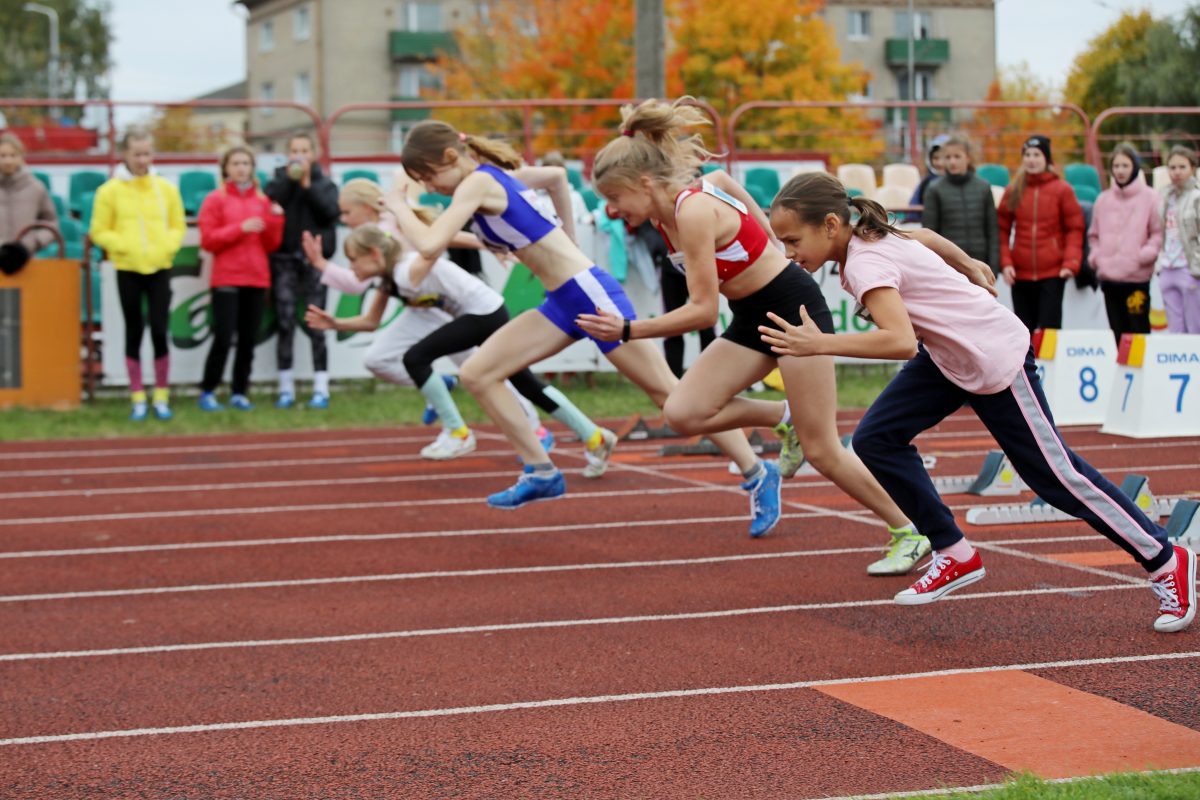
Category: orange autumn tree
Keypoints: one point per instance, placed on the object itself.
(997, 133)
(724, 52)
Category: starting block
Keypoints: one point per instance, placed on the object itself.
(637, 428)
(1135, 487)
(996, 478)
(1152, 393)
(1076, 368)
(1184, 525)
(703, 446)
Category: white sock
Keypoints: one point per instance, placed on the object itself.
(287, 382)
(1170, 566)
(961, 551)
(321, 382)
(787, 414)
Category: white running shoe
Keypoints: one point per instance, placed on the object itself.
(597, 459)
(447, 446)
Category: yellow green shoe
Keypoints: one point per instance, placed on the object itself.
(791, 457)
(906, 548)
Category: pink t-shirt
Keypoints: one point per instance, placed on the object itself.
(975, 341)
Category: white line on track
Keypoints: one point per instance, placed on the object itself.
(1054, 562)
(527, 626)
(561, 702)
(228, 447)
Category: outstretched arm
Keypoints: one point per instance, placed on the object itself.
(431, 240)
(319, 319)
(893, 337)
(974, 270)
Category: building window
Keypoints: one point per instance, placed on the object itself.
(302, 89)
(267, 92)
(302, 24)
(266, 36)
(859, 25)
(922, 86)
(422, 15)
(921, 25)
(413, 80)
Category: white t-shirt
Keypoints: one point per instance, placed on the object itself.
(976, 342)
(447, 286)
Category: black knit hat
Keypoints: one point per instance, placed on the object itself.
(1041, 143)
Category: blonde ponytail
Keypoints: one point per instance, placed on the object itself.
(654, 143)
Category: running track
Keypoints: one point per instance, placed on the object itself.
(327, 615)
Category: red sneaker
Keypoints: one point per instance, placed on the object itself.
(1176, 593)
(944, 576)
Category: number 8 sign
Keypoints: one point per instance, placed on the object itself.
(1076, 368)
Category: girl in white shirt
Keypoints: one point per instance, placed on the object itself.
(963, 347)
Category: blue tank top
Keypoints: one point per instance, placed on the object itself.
(523, 221)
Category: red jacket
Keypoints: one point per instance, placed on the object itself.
(239, 258)
(1049, 229)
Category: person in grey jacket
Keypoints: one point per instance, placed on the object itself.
(23, 201)
(960, 207)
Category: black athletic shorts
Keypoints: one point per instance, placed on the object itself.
(784, 295)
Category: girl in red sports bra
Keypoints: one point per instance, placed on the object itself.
(718, 237)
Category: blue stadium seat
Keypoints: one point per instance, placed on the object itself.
(995, 174)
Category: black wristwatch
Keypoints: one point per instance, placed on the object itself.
(626, 330)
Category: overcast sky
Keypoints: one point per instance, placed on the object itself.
(176, 49)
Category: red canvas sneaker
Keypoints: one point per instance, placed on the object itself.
(1176, 592)
(943, 576)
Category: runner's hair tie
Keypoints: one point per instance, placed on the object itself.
(627, 132)
(462, 137)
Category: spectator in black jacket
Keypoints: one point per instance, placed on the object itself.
(959, 205)
(310, 203)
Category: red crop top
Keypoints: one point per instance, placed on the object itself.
(737, 254)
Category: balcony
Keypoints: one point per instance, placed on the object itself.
(926, 52)
(408, 114)
(420, 45)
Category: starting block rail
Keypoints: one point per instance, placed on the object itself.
(703, 446)
(1135, 487)
(996, 478)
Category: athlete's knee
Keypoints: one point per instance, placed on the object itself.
(475, 375)
(683, 416)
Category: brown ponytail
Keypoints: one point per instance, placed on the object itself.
(814, 195)
(426, 145)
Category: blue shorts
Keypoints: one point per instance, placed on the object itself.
(583, 294)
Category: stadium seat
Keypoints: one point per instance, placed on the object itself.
(351, 174)
(811, 166)
(60, 206)
(72, 232)
(433, 200)
(80, 184)
(760, 195)
(575, 178)
(85, 209)
(590, 198)
(766, 179)
(194, 186)
(893, 197)
(1162, 177)
(263, 178)
(709, 166)
(1085, 193)
(995, 174)
(902, 176)
(45, 179)
(1083, 175)
(853, 192)
(858, 176)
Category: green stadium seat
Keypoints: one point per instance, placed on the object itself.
(60, 206)
(434, 200)
(1085, 194)
(45, 179)
(351, 174)
(995, 174)
(194, 186)
(708, 167)
(575, 178)
(852, 192)
(85, 209)
(263, 178)
(80, 184)
(767, 181)
(760, 195)
(1083, 175)
(591, 199)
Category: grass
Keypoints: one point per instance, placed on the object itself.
(357, 404)
(1131, 786)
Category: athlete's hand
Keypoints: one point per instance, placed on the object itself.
(602, 325)
(312, 250)
(319, 319)
(983, 276)
(792, 340)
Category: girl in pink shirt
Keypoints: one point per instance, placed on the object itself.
(962, 347)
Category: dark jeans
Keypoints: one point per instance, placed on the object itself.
(295, 281)
(1128, 307)
(235, 310)
(1039, 303)
(674, 295)
(1018, 417)
(155, 289)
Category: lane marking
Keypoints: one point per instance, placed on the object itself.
(524, 626)
(950, 708)
(233, 446)
(574, 701)
(1047, 561)
(1093, 558)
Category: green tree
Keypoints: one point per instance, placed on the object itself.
(84, 38)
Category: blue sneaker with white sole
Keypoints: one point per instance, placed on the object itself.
(208, 402)
(764, 500)
(240, 402)
(285, 400)
(528, 488)
(319, 401)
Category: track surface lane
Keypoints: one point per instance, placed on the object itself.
(744, 745)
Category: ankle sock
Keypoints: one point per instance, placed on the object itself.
(461, 432)
(544, 469)
(1170, 566)
(287, 382)
(162, 395)
(960, 551)
(321, 382)
(755, 472)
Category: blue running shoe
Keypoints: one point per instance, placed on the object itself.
(163, 411)
(208, 402)
(240, 402)
(764, 500)
(430, 414)
(319, 401)
(285, 400)
(529, 487)
(139, 412)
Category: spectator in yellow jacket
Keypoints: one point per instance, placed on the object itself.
(138, 220)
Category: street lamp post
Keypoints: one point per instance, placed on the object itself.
(52, 65)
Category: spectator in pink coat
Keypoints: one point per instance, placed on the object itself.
(1124, 239)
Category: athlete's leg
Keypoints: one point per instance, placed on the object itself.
(706, 398)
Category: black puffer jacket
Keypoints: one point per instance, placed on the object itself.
(314, 209)
(961, 208)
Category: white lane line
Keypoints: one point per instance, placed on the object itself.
(228, 447)
(1055, 562)
(560, 702)
(298, 508)
(526, 626)
(409, 576)
(372, 537)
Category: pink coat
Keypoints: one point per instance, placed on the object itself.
(1126, 233)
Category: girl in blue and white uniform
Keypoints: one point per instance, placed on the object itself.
(505, 216)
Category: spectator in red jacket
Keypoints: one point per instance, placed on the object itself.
(241, 227)
(1047, 245)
